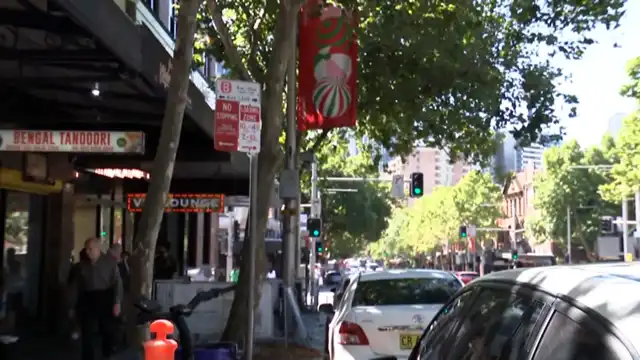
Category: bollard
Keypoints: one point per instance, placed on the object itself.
(160, 348)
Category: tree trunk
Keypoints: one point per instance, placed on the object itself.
(162, 172)
(237, 321)
(269, 160)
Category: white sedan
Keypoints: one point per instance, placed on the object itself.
(382, 314)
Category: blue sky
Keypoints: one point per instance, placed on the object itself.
(598, 77)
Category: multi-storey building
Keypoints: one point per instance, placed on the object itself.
(519, 193)
(433, 163)
(511, 157)
(529, 156)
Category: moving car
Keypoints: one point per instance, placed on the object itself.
(332, 278)
(383, 313)
(466, 276)
(583, 312)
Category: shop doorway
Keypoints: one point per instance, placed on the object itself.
(22, 255)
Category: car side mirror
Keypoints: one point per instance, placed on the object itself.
(333, 290)
(326, 308)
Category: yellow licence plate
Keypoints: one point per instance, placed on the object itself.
(408, 341)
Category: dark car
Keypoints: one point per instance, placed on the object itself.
(544, 313)
(332, 278)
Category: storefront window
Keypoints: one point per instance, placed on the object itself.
(117, 227)
(16, 234)
(105, 226)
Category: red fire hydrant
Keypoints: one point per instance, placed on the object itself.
(160, 348)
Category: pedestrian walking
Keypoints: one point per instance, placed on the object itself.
(96, 300)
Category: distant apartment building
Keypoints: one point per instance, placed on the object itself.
(512, 157)
(433, 163)
(384, 159)
(529, 156)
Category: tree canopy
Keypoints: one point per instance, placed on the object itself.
(626, 171)
(434, 219)
(564, 185)
(447, 73)
(351, 219)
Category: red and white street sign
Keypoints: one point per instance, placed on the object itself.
(237, 122)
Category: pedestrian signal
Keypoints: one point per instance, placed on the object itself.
(417, 185)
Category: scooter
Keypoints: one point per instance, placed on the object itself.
(150, 310)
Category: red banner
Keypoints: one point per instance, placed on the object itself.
(328, 58)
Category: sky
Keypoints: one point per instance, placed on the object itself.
(598, 76)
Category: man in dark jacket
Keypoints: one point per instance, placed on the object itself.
(96, 300)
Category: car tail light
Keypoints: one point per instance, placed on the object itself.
(351, 334)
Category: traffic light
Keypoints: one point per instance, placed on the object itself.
(606, 226)
(463, 232)
(236, 231)
(314, 226)
(417, 185)
(514, 255)
(319, 248)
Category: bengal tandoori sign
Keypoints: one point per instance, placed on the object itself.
(66, 141)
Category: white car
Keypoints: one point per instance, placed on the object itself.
(383, 313)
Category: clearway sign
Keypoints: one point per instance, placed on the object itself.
(237, 122)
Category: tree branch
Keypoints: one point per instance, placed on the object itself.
(254, 39)
(229, 48)
(320, 139)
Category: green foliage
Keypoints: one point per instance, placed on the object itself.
(434, 219)
(563, 186)
(449, 73)
(626, 171)
(352, 219)
(17, 228)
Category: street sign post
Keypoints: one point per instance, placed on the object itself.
(237, 127)
(397, 187)
(237, 122)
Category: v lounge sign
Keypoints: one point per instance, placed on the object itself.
(207, 203)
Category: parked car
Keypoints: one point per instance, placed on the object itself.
(585, 312)
(466, 276)
(382, 313)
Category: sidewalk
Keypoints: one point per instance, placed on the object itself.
(314, 323)
(38, 348)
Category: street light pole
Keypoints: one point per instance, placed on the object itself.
(625, 228)
(569, 234)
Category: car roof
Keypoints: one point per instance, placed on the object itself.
(403, 274)
(611, 289)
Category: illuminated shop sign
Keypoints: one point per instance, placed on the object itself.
(207, 203)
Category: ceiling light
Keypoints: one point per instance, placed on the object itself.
(96, 89)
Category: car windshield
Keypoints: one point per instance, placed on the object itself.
(406, 291)
(333, 278)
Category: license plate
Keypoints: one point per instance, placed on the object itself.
(408, 341)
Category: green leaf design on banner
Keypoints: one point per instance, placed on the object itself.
(321, 56)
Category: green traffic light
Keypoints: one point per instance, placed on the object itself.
(316, 233)
(103, 234)
(464, 235)
(417, 191)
